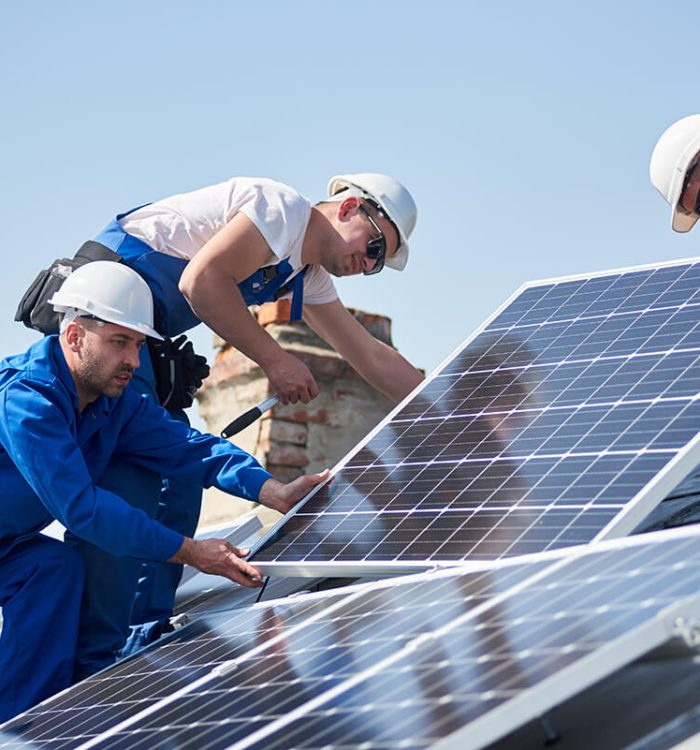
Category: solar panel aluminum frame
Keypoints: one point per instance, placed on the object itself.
(558, 688)
(366, 568)
(573, 680)
(578, 676)
(637, 509)
(551, 691)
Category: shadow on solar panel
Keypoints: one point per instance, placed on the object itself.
(564, 419)
(448, 659)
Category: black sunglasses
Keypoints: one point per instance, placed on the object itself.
(689, 174)
(376, 247)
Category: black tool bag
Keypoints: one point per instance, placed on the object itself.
(33, 309)
(179, 371)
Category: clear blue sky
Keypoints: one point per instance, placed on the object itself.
(524, 131)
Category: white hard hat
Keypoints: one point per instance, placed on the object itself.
(111, 292)
(673, 154)
(394, 200)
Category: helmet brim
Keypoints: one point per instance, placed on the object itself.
(681, 220)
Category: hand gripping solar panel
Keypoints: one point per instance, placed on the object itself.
(200, 592)
(449, 659)
(565, 418)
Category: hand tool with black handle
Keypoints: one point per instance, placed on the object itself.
(249, 417)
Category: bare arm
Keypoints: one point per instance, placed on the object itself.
(209, 283)
(379, 364)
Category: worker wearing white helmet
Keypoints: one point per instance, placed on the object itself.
(206, 256)
(65, 409)
(675, 171)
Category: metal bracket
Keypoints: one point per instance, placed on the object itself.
(688, 630)
(180, 620)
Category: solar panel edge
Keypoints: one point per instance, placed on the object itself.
(344, 569)
(610, 272)
(653, 492)
(571, 681)
(270, 535)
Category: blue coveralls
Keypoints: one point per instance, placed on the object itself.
(52, 461)
(119, 593)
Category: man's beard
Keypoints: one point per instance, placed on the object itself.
(96, 381)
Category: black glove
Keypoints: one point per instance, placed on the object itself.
(179, 371)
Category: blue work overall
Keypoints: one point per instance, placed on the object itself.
(40, 588)
(120, 592)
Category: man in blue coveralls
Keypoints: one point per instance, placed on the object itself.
(206, 256)
(65, 411)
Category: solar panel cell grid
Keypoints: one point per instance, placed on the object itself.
(456, 681)
(404, 663)
(575, 396)
(114, 695)
(342, 643)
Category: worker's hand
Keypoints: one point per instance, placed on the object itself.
(291, 379)
(219, 557)
(283, 497)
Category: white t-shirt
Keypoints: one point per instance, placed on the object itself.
(182, 224)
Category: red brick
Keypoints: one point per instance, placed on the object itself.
(280, 431)
(287, 455)
(275, 312)
(320, 416)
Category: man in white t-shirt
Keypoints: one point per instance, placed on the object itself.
(218, 238)
(207, 255)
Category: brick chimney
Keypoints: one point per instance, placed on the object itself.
(295, 439)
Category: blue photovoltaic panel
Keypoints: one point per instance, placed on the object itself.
(99, 703)
(448, 660)
(302, 633)
(482, 677)
(535, 436)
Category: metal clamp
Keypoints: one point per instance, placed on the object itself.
(688, 630)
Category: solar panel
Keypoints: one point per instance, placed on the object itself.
(200, 596)
(564, 419)
(200, 593)
(187, 659)
(450, 659)
(482, 676)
